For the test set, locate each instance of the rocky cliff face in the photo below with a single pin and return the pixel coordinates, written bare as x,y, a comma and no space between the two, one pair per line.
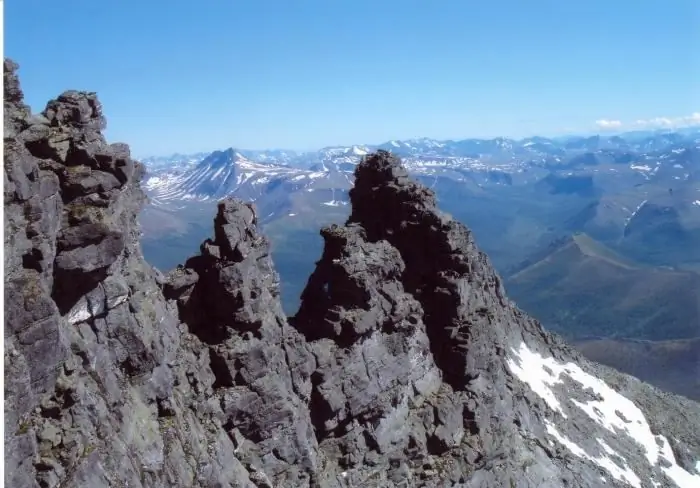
406,366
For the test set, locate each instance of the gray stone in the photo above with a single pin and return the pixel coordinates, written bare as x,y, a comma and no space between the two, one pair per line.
406,365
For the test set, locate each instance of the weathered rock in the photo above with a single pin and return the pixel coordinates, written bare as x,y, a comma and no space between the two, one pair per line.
229,297
104,386
406,366
426,372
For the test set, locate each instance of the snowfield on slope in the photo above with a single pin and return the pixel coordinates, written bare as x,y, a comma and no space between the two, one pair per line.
612,411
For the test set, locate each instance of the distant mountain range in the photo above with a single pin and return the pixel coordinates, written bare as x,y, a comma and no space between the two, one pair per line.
532,147
637,192
598,237
286,182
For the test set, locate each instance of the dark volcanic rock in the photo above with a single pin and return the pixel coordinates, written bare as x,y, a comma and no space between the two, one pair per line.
406,366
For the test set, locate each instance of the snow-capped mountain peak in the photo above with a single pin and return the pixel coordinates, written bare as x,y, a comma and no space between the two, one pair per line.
478,162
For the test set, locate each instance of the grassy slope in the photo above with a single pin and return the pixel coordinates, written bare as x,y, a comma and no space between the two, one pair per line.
584,289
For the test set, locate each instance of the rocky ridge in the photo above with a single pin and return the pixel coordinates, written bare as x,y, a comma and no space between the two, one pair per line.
406,365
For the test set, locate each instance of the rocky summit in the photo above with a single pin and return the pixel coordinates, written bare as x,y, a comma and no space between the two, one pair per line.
406,365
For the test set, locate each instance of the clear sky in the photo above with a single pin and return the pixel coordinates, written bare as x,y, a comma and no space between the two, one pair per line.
300,74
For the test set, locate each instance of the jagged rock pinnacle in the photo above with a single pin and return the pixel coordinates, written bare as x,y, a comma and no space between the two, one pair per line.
406,366
424,354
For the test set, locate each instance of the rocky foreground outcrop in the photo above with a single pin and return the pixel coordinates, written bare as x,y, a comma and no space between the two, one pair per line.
406,366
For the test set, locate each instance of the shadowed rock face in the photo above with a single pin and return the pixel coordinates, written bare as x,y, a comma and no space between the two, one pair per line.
406,365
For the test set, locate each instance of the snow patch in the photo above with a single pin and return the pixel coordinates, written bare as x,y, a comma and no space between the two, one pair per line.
621,474
153,181
334,203
191,196
634,213
683,478
243,177
218,172
611,410
539,374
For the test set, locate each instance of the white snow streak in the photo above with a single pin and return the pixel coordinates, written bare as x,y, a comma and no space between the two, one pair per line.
604,462
611,410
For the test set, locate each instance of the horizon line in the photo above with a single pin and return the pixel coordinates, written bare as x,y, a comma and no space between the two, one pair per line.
572,134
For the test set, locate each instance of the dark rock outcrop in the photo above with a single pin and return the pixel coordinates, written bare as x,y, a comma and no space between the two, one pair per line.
229,297
406,365
103,384
409,302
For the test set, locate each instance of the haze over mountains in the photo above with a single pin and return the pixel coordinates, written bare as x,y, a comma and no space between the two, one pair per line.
598,236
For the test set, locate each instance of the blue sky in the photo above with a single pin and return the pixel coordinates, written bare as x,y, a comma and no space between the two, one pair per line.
300,74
